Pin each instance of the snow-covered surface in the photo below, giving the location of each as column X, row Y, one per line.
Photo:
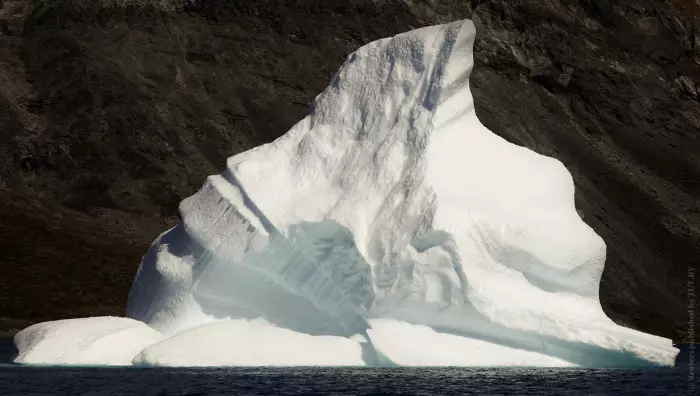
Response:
column 390, row 200
column 90, row 341
column 250, row 343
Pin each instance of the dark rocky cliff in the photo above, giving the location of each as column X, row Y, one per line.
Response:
column 112, row 111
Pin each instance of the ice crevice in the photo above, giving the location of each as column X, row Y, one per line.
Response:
column 388, row 227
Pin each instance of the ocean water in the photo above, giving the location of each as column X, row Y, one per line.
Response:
column 107, row 381
column 339, row 381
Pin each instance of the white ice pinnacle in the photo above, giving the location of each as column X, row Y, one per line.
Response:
column 389, row 217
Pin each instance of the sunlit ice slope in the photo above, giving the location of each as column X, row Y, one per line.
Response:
column 390, row 216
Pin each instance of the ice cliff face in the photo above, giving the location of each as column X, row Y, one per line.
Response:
column 387, row 227
column 391, row 200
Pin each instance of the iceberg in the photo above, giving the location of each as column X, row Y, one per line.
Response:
column 388, row 227
column 428, row 347
column 91, row 341
column 250, row 343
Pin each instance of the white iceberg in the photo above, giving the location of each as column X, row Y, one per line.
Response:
column 390, row 200
column 403, row 344
column 90, row 341
column 250, row 343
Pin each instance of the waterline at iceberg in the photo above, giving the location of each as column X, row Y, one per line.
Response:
column 389, row 227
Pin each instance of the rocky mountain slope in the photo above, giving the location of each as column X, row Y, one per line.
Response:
column 112, row 111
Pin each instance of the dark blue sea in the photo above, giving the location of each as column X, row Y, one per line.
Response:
column 22, row 380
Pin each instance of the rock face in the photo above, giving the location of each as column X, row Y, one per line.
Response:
column 111, row 112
